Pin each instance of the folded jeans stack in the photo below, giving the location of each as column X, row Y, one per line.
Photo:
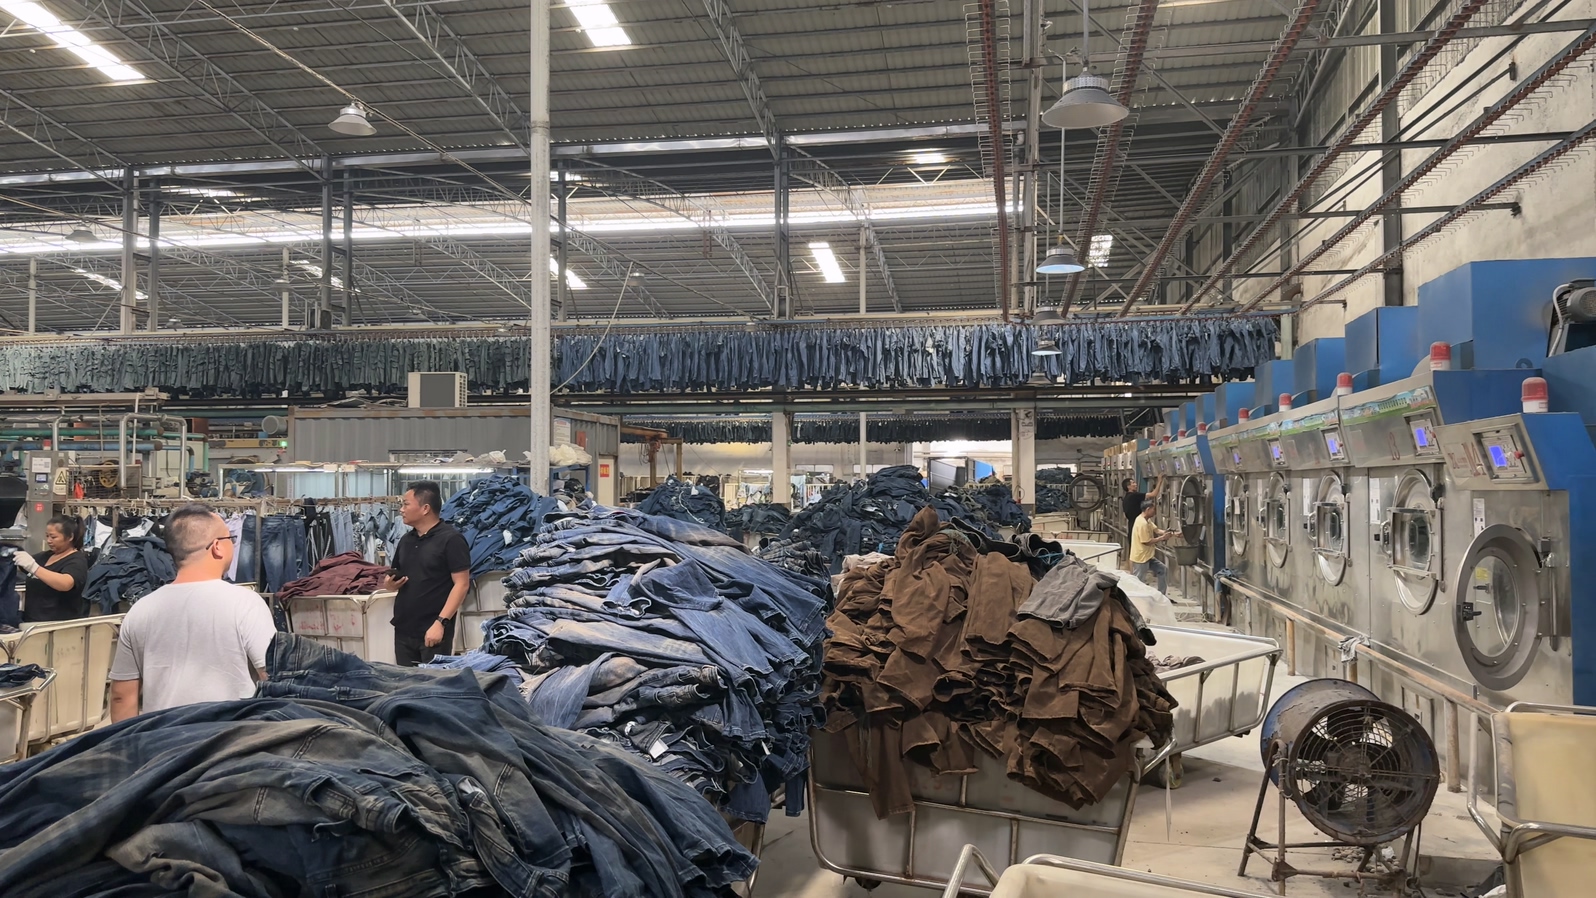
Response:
column 991, row 501
column 1053, row 490
column 932, row 659
column 669, row 640
column 346, row 778
column 763, row 518
column 497, row 515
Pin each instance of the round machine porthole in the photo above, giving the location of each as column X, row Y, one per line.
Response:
column 1086, row 493
column 1236, row 516
column 1193, row 513
column 1277, row 536
column 1414, row 543
column 1330, row 530
column 1498, row 613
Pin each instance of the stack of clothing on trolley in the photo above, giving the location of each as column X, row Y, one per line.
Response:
column 669, row 640
column 696, row 503
column 956, row 646
column 1053, row 490
column 498, row 516
column 345, row 574
column 346, row 778
column 760, row 518
column 992, row 501
column 861, row 518
column 129, row 571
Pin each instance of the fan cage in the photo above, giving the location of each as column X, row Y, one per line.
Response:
column 1363, row 772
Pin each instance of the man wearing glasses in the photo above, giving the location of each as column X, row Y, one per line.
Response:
column 197, row 639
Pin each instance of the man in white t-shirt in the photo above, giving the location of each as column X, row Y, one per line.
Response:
column 197, row 639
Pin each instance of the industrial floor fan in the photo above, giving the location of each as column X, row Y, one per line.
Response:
column 1362, row 771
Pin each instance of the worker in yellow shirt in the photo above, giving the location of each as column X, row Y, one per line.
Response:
column 1144, row 535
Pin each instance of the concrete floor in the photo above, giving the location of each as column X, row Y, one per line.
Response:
column 1200, row 841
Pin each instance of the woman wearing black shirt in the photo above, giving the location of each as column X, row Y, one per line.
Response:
column 55, row 585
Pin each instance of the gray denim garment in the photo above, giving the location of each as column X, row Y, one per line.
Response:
column 1073, row 591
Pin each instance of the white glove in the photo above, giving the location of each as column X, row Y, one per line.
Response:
column 27, row 562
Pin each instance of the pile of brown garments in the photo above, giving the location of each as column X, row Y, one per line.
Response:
column 943, row 649
column 345, row 574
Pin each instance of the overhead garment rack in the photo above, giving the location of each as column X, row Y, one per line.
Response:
column 697, row 359
column 810, row 429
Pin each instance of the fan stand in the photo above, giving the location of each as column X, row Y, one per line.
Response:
column 1393, row 878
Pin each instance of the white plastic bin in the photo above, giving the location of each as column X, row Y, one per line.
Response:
column 1104, row 556
column 485, row 601
column 359, row 625
column 1227, row 693
column 1046, row 876
column 80, row 652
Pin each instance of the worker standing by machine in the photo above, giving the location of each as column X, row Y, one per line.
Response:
column 54, row 590
column 1144, row 535
column 1132, row 504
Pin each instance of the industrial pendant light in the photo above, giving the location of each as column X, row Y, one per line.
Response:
column 82, row 235
column 1086, row 102
column 1047, row 317
column 1060, row 260
column 1046, row 347
column 351, row 120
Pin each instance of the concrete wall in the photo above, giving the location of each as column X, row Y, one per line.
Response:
column 1558, row 215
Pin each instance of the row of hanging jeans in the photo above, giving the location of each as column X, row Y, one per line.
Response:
column 685, row 360
column 811, row 429
column 283, row 555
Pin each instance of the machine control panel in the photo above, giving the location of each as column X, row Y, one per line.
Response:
column 1423, row 429
column 1334, row 444
column 1502, row 452
column 1277, row 455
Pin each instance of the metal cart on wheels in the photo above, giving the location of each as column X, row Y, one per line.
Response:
column 1045, row 875
column 1545, row 799
column 22, row 698
column 1224, row 694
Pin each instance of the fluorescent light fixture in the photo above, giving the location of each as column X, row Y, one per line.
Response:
column 569, row 176
column 929, row 159
column 759, row 471
column 598, row 23
column 98, row 278
column 71, row 40
column 315, row 271
column 1102, row 245
column 212, row 193
column 571, row 280
column 442, row 470
column 827, row 261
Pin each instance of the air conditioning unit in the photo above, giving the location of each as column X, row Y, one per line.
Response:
column 437, row 389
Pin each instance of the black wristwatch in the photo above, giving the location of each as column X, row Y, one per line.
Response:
column 444, row 620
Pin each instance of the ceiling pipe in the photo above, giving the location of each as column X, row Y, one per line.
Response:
column 1108, row 142
column 1385, row 98
column 1216, row 160
column 1553, row 67
column 994, row 123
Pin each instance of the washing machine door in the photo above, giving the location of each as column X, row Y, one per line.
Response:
column 1411, row 535
column 1192, row 509
column 1327, row 529
column 1086, row 493
column 1500, row 611
column 1277, row 520
column 1237, row 515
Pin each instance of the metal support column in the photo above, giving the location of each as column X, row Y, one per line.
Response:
column 1391, row 163
column 285, row 283
column 1227, row 232
column 1031, row 170
column 539, row 330
column 864, row 273
column 781, row 458
column 152, row 290
column 864, row 445
column 347, row 316
column 33, row 294
column 782, row 303
column 129, row 298
column 562, row 290
column 1022, row 427
column 324, row 290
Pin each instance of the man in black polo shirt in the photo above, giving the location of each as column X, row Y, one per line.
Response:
column 433, row 563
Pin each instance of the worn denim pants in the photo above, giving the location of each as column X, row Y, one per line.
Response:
column 1158, row 568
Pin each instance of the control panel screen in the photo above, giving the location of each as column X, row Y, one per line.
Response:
column 1332, row 442
column 1235, row 456
column 1197, row 463
column 1423, row 429
column 1421, row 436
column 1180, row 466
column 1498, row 457
column 1275, row 454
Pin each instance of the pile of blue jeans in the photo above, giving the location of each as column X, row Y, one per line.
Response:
column 283, row 556
column 347, row 778
column 686, row 502
column 129, row 572
column 764, row 518
column 992, row 502
column 861, row 518
column 669, row 640
column 498, row 516
column 1053, row 490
